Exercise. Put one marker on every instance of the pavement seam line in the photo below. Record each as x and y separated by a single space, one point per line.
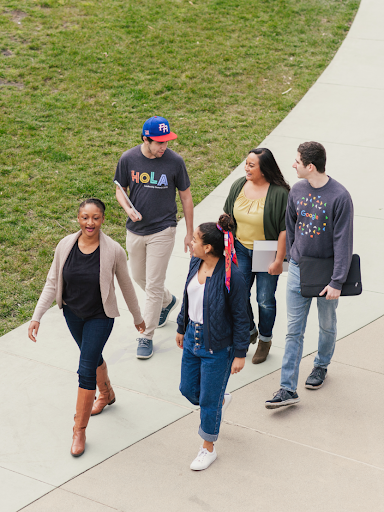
368 217
153 397
365 39
373 291
89 499
36 361
351 86
65 490
357 367
31 477
323 141
115 385
302 444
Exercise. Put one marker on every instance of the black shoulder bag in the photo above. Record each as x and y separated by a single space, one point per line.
316 274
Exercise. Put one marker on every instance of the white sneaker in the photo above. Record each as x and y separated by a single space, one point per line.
227 401
204 459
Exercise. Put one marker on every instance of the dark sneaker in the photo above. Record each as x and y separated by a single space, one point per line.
316 378
253 335
282 398
165 311
144 348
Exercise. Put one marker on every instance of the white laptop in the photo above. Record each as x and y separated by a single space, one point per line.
264 253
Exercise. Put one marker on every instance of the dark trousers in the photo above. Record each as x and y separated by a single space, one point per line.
265 292
90 336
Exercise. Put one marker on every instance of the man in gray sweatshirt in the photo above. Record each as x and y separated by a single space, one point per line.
319 221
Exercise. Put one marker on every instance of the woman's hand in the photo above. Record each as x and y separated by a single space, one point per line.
237 365
140 327
179 340
275 268
33 329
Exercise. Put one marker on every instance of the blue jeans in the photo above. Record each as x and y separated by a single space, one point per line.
90 336
204 377
297 312
265 292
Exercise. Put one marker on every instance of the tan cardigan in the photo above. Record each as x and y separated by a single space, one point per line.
113 260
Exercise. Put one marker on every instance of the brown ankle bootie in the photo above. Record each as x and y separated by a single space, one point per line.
262 352
106 393
85 399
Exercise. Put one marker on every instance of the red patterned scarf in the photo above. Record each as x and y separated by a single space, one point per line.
230 255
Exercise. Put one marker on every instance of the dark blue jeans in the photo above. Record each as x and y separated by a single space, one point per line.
204 377
265 292
90 336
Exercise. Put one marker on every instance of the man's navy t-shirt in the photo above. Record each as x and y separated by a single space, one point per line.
152 184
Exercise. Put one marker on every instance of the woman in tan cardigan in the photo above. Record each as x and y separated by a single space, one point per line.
81 280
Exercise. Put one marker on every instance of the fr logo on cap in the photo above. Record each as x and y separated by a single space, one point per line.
157 128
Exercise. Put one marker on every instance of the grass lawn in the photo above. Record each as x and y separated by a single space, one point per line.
78 79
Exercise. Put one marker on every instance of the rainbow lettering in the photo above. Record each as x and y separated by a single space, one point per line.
313 216
144 177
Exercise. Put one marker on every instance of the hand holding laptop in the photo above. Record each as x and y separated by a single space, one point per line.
264 255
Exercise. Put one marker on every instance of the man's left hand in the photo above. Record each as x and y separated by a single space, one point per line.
332 293
188 244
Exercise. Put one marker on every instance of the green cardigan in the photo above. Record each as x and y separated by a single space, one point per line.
274 209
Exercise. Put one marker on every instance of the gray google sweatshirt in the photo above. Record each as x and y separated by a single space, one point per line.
320 224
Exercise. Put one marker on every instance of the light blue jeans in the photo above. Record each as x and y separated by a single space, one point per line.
297 313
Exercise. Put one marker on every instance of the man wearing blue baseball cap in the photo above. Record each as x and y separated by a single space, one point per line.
152 172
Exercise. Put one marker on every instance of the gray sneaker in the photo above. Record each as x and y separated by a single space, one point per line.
316 378
165 311
144 348
282 398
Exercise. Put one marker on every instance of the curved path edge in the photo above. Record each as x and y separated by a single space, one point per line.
343 110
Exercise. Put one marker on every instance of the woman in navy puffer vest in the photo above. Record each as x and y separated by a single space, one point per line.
213 329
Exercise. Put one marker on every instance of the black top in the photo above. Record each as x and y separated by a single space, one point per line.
81 287
152 184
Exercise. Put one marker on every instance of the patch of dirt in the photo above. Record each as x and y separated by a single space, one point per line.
18 15
7 53
4 83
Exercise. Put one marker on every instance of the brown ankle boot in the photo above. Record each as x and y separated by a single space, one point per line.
261 352
85 399
106 393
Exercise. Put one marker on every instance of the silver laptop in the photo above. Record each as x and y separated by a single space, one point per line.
264 254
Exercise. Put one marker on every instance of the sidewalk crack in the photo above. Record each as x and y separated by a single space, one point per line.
302 444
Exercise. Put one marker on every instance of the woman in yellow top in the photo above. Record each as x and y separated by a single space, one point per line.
257 203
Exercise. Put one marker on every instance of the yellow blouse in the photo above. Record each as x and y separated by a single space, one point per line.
249 215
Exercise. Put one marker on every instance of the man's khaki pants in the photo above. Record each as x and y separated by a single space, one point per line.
149 257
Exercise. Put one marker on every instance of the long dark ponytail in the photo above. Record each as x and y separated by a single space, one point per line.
269 168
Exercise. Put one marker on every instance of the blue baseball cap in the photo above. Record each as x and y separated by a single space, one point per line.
157 128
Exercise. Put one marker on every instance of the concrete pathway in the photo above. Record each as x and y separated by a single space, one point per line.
328 451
